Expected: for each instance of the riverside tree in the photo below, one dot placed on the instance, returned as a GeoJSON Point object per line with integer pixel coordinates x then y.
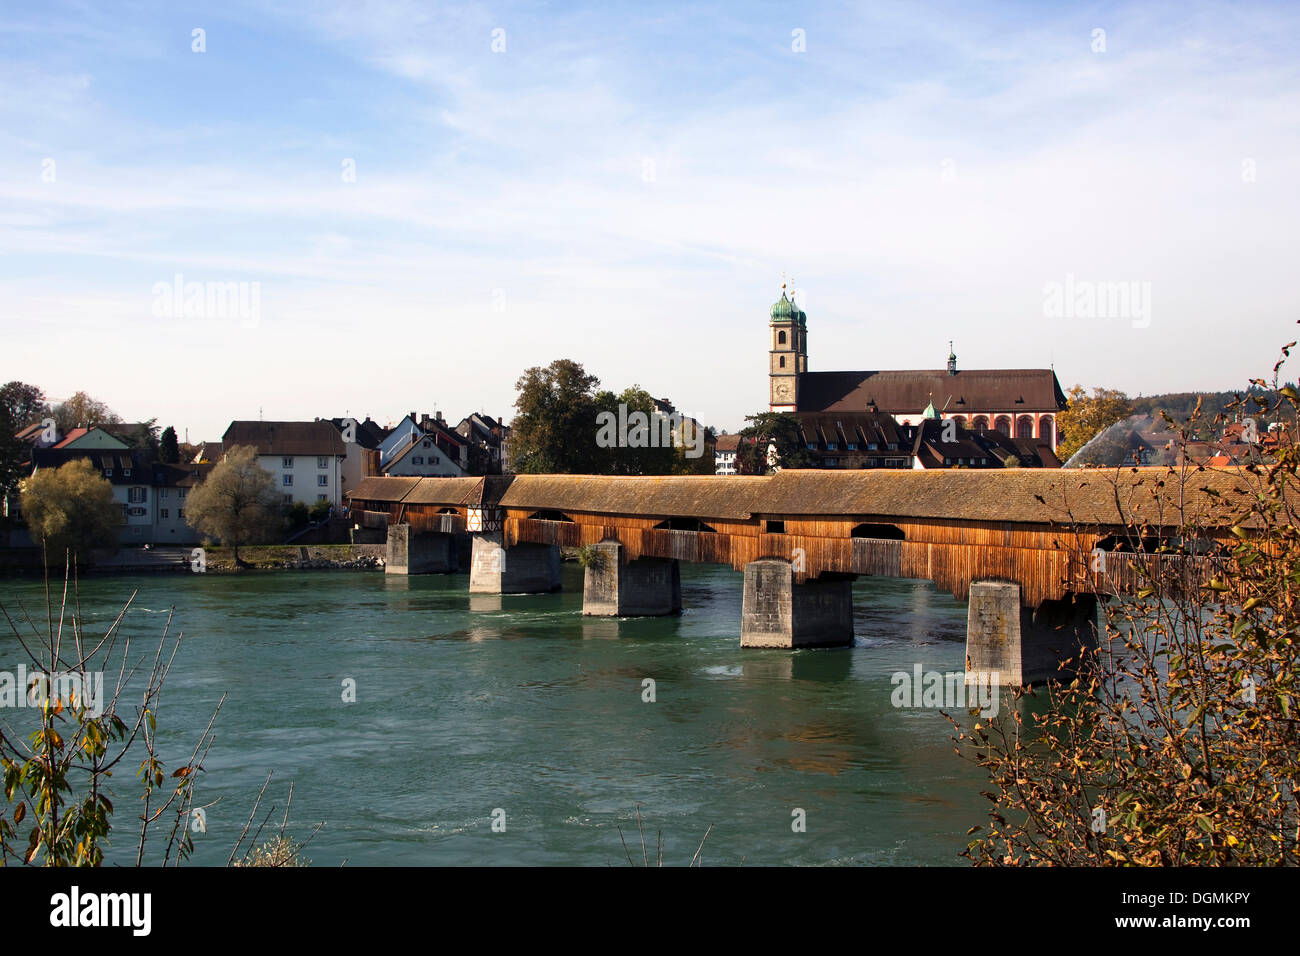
{"type": "Point", "coordinates": [1085, 416]}
{"type": "Point", "coordinates": [83, 411]}
{"type": "Point", "coordinates": [237, 503]}
{"type": "Point", "coordinates": [70, 509]}
{"type": "Point", "coordinates": [768, 430]}
{"type": "Point", "coordinates": [1178, 744]}
{"type": "Point", "coordinates": [169, 451]}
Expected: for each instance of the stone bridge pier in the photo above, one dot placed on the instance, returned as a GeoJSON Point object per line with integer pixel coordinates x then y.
{"type": "Point", "coordinates": [615, 587]}
{"type": "Point", "coordinates": [777, 612]}
{"type": "Point", "coordinates": [1026, 645]}
{"type": "Point", "coordinates": [418, 552]}
{"type": "Point", "coordinates": [523, 569]}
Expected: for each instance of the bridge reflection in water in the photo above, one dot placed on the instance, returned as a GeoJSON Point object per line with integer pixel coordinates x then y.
{"type": "Point", "coordinates": [1031, 550]}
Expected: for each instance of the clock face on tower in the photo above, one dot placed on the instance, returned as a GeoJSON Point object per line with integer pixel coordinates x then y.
{"type": "Point", "coordinates": [784, 391]}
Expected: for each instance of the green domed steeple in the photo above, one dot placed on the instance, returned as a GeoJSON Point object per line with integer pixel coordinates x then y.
{"type": "Point", "coordinates": [783, 309]}
{"type": "Point", "coordinates": [930, 410]}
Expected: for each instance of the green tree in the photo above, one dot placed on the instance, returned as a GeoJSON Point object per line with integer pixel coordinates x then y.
{"type": "Point", "coordinates": [768, 429]}
{"type": "Point", "coordinates": [144, 436]}
{"type": "Point", "coordinates": [646, 450]}
{"type": "Point", "coordinates": [554, 431]}
{"type": "Point", "coordinates": [237, 503]}
{"type": "Point", "coordinates": [82, 411]}
{"type": "Point", "coordinates": [26, 404]}
{"type": "Point", "coordinates": [70, 508]}
{"type": "Point", "coordinates": [12, 453]}
{"type": "Point", "coordinates": [1085, 416]}
{"type": "Point", "coordinates": [169, 452]}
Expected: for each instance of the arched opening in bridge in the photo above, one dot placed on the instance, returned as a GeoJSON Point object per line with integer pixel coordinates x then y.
{"type": "Point", "coordinates": [887, 531]}
{"type": "Point", "coordinates": [683, 524]}
{"type": "Point", "coordinates": [1168, 543]}
{"type": "Point", "coordinates": [550, 516]}
{"type": "Point", "coordinates": [1146, 544]}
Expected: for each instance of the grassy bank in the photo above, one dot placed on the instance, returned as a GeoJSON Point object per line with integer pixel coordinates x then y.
{"type": "Point", "coordinates": [268, 556]}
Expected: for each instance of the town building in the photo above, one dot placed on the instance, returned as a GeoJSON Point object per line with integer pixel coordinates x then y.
{"type": "Point", "coordinates": [1018, 403]}
{"type": "Point", "coordinates": [423, 447]}
{"type": "Point", "coordinates": [487, 442]}
{"type": "Point", "coordinates": [725, 448]}
{"type": "Point", "coordinates": [305, 458]}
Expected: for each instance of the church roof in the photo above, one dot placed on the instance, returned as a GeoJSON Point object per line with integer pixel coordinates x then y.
{"type": "Point", "coordinates": [900, 392]}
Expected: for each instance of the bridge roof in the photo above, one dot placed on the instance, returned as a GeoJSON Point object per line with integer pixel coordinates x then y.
{"type": "Point", "coordinates": [444, 491]}
{"type": "Point", "coordinates": [1022, 495]}
{"type": "Point", "coordinates": [687, 496]}
{"type": "Point", "coordinates": [1019, 495]}
{"type": "Point", "coordinates": [377, 488]}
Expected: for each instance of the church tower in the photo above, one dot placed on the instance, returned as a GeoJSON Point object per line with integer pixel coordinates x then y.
{"type": "Point", "coordinates": [788, 356]}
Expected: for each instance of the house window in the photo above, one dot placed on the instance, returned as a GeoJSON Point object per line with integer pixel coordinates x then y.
{"type": "Point", "coordinates": [126, 472]}
{"type": "Point", "coordinates": [434, 459]}
{"type": "Point", "coordinates": [162, 492]}
{"type": "Point", "coordinates": [775, 527]}
{"type": "Point", "coordinates": [180, 513]}
{"type": "Point", "coordinates": [162, 513]}
{"type": "Point", "coordinates": [286, 462]}
{"type": "Point", "coordinates": [832, 446]}
{"type": "Point", "coordinates": [323, 481]}
{"type": "Point", "coordinates": [288, 499]}
{"type": "Point", "coordinates": [417, 459]}
{"type": "Point", "coordinates": [322, 498]}
{"type": "Point", "coordinates": [288, 480]}
{"type": "Point", "coordinates": [812, 446]}
{"type": "Point", "coordinates": [181, 492]}
{"type": "Point", "coordinates": [851, 446]}
{"type": "Point", "coordinates": [322, 461]}
{"type": "Point", "coordinates": [428, 444]}
{"type": "Point", "coordinates": [135, 495]}
{"type": "Point", "coordinates": [108, 472]}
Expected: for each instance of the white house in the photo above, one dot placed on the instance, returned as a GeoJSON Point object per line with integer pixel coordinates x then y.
{"type": "Point", "coordinates": [305, 458]}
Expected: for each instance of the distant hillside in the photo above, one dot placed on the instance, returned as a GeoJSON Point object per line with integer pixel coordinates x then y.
{"type": "Point", "coordinates": [1180, 404]}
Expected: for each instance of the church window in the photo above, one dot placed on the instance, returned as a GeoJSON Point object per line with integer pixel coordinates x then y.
{"type": "Point", "coordinates": [1045, 427]}
{"type": "Point", "coordinates": [1002, 424]}
{"type": "Point", "coordinates": [782, 361]}
{"type": "Point", "coordinates": [1025, 426]}
{"type": "Point", "coordinates": [780, 338]}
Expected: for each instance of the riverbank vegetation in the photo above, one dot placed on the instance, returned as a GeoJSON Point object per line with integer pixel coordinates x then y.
{"type": "Point", "coordinates": [1178, 743]}
{"type": "Point", "coordinates": [64, 735]}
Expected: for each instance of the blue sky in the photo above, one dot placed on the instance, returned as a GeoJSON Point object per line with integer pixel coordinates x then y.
{"type": "Point", "coordinates": [625, 186]}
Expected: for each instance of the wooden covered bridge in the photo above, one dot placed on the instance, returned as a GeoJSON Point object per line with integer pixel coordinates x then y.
{"type": "Point", "coordinates": [1030, 549]}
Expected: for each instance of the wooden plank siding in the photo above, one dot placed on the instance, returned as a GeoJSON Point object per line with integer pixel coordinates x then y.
{"type": "Point", "coordinates": [1046, 559]}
